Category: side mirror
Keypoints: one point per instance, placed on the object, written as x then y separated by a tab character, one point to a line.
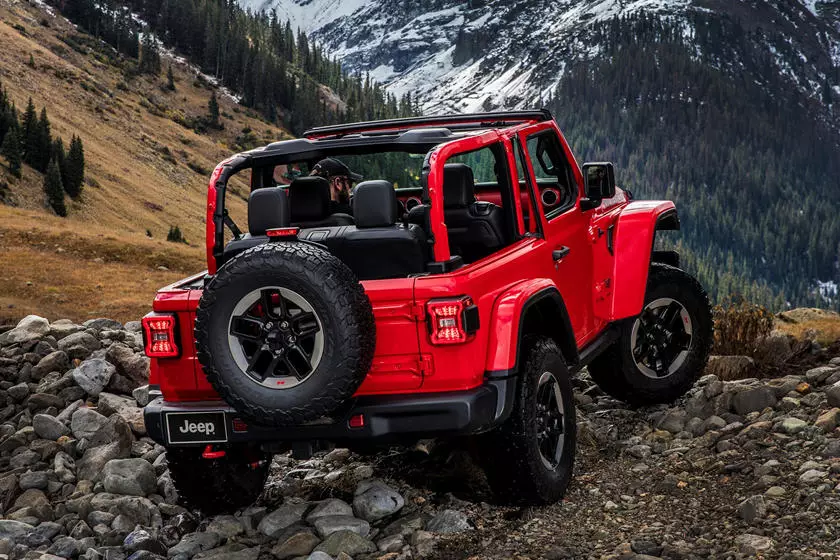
598	181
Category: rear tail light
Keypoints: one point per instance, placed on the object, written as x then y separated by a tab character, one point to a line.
282	232
452	321
159	331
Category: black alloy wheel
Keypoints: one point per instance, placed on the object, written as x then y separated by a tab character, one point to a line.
276	337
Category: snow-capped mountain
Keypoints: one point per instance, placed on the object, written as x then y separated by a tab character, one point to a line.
482	54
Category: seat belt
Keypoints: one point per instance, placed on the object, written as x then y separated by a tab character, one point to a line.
228	221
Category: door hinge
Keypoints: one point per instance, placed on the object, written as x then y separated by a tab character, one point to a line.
418	311
425	365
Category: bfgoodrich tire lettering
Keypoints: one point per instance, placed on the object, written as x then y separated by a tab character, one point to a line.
520	467
345	324
620	376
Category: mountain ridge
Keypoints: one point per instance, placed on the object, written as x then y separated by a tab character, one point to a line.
729	108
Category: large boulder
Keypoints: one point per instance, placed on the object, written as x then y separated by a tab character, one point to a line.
54	361
193	543
79	345
29	329
753	399
92	463
730	368
92	375
133	366
134	477
281	518
124	407
14	530
86	422
375	500
49	427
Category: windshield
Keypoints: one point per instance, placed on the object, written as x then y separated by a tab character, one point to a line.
399	168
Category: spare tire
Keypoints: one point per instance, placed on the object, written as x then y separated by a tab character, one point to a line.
285	333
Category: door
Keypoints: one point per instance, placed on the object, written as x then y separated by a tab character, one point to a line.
565	229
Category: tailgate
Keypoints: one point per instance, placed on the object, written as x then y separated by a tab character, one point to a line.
397	364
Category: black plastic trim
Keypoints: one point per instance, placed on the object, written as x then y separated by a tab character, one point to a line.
567	343
458	412
601	343
441	267
484	120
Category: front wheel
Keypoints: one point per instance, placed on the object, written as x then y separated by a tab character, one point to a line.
661	353
529	458
220	485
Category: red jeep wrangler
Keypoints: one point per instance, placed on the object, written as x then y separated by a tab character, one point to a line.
456	302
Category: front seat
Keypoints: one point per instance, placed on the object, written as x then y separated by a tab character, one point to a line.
476	229
268	208
309	202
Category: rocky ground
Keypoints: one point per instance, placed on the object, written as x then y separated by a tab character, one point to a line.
736	469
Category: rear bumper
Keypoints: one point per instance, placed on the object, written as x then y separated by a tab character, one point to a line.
461	412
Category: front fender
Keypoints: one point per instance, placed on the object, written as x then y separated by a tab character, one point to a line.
506	324
635	231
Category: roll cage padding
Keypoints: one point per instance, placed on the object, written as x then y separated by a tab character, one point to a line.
529	307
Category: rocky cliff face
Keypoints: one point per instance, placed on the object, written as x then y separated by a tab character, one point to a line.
486	54
735	469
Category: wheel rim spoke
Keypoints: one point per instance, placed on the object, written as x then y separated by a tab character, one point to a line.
275	337
661	335
247	328
549	420
271	304
252	362
304	324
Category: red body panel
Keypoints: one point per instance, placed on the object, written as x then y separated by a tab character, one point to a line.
601	278
635	227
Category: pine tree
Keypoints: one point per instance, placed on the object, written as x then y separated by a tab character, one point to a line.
149	56
11	150
75	167
31	136
44	141
54	190
170	79
59	155
213	108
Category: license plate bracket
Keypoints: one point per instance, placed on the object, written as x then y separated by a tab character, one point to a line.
196	427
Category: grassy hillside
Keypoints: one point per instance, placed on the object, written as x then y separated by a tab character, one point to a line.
145	171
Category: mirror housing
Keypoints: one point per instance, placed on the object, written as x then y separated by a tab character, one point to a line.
598	182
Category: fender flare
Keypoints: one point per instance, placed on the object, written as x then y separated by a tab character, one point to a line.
635	233
528	306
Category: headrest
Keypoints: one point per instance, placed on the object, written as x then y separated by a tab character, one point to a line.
458	185
309	199
375	204
267	208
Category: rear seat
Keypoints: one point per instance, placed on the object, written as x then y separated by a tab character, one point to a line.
309	200
267	208
376	247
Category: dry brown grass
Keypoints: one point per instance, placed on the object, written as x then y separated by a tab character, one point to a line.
825	331
140	162
144	171
54	271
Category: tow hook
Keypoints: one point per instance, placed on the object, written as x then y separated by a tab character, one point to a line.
210	453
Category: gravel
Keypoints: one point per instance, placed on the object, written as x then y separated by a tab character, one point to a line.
734	469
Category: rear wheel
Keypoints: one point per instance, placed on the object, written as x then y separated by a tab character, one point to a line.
218	485
661	353
529	459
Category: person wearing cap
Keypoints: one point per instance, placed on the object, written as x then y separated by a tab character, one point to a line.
341	179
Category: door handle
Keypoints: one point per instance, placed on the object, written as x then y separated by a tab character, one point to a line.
560	253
